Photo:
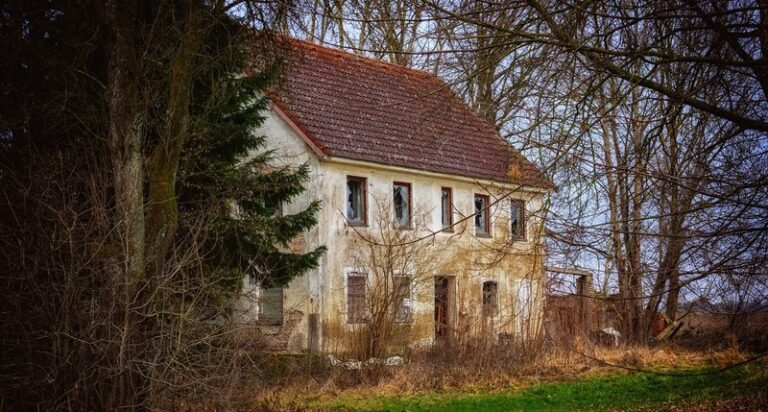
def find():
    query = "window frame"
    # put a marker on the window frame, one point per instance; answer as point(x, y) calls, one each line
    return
point(521, 216)
point(363, 182)
point(446, 213)
point(486, 215)
point(400, 302)
point(277, 208)
point(363, 318)
point(271, 321)
point(409, 225)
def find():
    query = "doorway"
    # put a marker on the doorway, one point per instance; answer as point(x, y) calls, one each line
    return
point(445, 307)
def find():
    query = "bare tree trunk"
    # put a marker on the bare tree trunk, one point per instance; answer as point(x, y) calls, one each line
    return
point(162, 213)
point(674, 294)
point(339, 17)
point(312, 21)
point(127, 117)
point(634, 250)
point(365, 16)
point(615, 176)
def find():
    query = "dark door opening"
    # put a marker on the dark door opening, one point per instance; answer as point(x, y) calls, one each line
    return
point(444, 307)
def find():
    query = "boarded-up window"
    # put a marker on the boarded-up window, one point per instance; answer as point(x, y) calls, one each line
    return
point(401, 288)
point(517, 219)
point(356, 299)
point(271, 306)
point(490, 298)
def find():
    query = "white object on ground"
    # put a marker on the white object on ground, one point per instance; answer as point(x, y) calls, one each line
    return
point(357, 365)
point(613, 332)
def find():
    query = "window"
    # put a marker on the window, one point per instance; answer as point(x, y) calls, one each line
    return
point(356, 298)
point(272, 208)
point(482, 217)
point(447, 209)
point(401, 289)
point(517, 219)
point(356, 194)
point(402, 202)
point(490, 298)
point(271, 306)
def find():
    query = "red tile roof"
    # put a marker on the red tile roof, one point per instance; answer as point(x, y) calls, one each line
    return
point(363, 109)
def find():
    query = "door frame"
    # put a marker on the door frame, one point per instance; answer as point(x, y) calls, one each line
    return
point(445, 331)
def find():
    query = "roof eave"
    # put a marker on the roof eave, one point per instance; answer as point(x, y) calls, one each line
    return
point(487, 181)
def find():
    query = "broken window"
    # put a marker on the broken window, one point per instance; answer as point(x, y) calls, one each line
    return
point(356, 299)
point(402, 202)
point(490, 298)
point(401, 289)
point(447, 209)
point(482, 218)
point(356, 213)
point(517, 219)
point(271, 306)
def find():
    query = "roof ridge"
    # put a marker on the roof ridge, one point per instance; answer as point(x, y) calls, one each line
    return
point(347, 55)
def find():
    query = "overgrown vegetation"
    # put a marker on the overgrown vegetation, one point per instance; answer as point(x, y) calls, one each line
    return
point(134, 198)
point(649, 116)
point(541, 377)
point(126, 143)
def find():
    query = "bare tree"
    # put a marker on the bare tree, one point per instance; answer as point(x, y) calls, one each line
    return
point(399, 277)
point(648, 116)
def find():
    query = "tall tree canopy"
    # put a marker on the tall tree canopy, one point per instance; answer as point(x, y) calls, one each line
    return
point(650, 116)
point(135, 196)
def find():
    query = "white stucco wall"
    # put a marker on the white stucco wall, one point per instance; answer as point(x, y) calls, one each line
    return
point(460, 254)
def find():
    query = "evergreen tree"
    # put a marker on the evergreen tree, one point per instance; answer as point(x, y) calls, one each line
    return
point(111, 112)
point(227, 177)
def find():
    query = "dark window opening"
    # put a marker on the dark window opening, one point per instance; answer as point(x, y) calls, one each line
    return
point(271, 306)
point(356, 299)
point(272, 207)
point(517, 219)
point(482, 216)
point(402, 202)
point(447, 209)
point(356, 202)
point(445, 307)
point(490, 298)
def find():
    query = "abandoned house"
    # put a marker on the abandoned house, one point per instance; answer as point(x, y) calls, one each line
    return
point(400, 162)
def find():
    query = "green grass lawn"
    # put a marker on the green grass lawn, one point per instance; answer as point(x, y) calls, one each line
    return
point(621, 392)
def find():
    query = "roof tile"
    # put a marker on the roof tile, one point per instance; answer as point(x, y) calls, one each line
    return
point(364, 109)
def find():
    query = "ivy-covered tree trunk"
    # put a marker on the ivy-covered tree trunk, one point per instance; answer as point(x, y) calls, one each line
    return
point(162, 213)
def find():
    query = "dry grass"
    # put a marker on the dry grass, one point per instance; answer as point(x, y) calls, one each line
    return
point(477, 369)
point(666, 358)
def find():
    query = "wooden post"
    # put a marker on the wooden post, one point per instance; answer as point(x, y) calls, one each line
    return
point(314, 335)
